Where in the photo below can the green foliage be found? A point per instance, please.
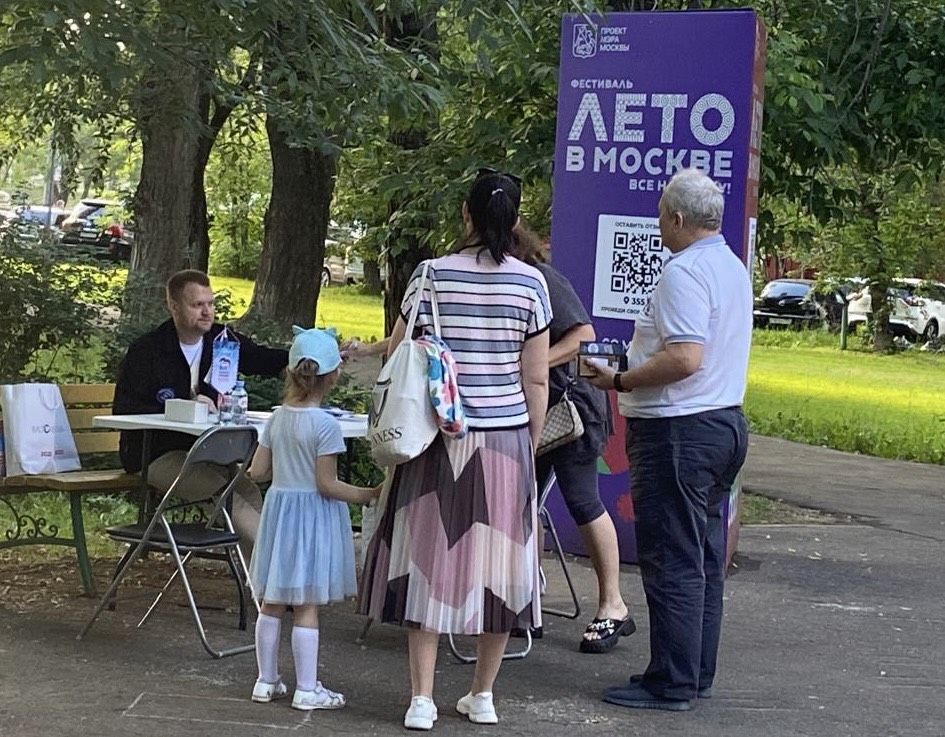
(884, 405)
(237, 177)
(792, 338)
(497, 71)
(47, 307)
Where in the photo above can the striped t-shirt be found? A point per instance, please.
(487, 312)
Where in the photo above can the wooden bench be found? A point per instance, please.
(83, 402)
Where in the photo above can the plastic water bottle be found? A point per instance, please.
(240, 404)
(225, 409)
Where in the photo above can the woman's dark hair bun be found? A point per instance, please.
(493, 203)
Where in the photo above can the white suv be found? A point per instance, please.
(918, 308)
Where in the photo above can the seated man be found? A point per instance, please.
(172, 362)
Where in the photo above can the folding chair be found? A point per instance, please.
(549, 526)
(226, 445)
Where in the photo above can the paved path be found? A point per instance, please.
(830, 631)
(901, 496)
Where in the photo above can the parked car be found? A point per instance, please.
(333, 270)
(32, 221)
(918, 308)
(354, 270)
(88, 226)
(797, 303)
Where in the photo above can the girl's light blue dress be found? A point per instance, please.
(304, 551)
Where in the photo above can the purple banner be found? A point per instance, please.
(642, 96)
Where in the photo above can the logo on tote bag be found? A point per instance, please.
(377, 408)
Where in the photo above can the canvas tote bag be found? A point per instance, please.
(401, 422)
(36, 431)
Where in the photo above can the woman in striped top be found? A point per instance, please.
(454, 550)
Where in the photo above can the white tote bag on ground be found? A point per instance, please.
(401, 423)
(37, 436)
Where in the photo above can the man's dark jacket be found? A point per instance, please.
(155, 370)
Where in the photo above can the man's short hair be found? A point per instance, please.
(696, 197)
(179, 281)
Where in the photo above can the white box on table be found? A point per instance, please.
(185, 410)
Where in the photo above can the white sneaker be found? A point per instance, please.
(264, 692)
(421, 714)
(320, 698)
(478, 708)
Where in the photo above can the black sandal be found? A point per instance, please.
(608, 632)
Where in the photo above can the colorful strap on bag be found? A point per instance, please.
(444, 388)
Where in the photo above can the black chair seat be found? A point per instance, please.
(189, 535)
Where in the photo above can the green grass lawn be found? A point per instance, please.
(886, 405)
(347, 309)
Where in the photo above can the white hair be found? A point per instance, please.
(696, 197)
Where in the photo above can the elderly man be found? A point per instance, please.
(686, 440)
(172, 361)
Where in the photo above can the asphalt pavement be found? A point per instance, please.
(831, 630)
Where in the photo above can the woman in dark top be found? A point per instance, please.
(575, 464)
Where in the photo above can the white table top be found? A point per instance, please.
(353, 426)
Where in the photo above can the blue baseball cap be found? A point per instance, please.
(320, 346)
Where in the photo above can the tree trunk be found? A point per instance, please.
(871, 201)
(296, 225)
(404, 252)
(373, 284)
(882, 336)
(170, 124)
(212, 125)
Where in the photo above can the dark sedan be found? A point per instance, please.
(796, 302)
(89, 226)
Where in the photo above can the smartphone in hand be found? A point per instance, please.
(597, 354)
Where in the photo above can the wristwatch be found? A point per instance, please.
(618, 387)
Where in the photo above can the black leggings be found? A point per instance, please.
(578, 483)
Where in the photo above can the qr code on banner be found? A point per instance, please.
(637, 261)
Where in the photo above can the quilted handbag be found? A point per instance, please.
(562, 424)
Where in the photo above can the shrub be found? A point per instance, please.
(48, 305)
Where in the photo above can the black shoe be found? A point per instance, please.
(537, 632)
(702, 693)
(634, 696)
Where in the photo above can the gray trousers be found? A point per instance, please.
(204, 479)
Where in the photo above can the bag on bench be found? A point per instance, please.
(37, 435)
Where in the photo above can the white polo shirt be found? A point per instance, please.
(704, 296)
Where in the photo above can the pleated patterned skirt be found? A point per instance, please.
(454, 549)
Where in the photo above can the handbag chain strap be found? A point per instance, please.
(571, 382)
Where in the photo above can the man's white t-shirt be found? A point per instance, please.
(704, 296)
(192, 354)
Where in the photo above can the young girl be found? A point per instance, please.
(304, 554)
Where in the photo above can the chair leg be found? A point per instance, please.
(362, 636)
(240, 587)
(559, 554)
(468, 659)
(247, 579)
(81, 551)
(118, 567)
(195, 612)
(160, 595)
(126, 561)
